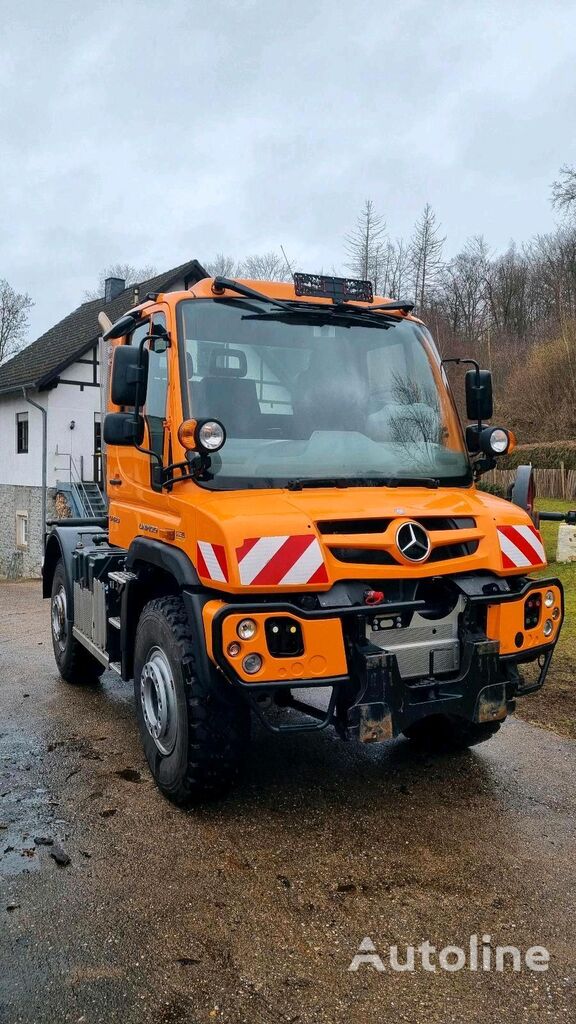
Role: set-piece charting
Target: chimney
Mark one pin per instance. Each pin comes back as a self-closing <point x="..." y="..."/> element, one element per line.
<point x="113" y="287"/>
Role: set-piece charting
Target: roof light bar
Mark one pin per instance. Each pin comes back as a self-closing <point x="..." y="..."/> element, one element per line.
<point x="339" y="289"/>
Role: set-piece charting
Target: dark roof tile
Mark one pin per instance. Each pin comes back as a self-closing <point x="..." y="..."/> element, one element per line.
<point x="45" y="358"/>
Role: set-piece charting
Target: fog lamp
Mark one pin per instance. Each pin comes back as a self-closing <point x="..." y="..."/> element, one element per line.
<point x="252" y="663"/>
<point x="246" y="629"/>
<point x="548" y="627"/>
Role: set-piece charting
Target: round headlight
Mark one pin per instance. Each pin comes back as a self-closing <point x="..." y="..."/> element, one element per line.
<point x="252" y="663"/>
<point x="246" y="629"/>
<point x="549" y="598"/>
<point x="210" y="435"/>
<point x="499" y="441"/>
<point x="548" y="627"/>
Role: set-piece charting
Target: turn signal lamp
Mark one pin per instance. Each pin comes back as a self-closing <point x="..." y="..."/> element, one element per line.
<point x="187" y="434"/>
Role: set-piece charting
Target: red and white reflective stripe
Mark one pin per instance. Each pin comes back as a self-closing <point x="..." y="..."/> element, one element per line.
<point x="211" y="562"/>
<point x="521" y="546"/>
<point x="271" y="561"/>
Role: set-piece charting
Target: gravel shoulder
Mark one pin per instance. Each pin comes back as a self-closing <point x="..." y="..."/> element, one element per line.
<point x="253" y="908"/>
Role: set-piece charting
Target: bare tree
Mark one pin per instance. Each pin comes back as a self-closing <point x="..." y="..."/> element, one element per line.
<point x="463" y="295"/>
<point x="125" y="271"/>
<point x="222" y="266"/>
<point x="397" y="269"/>
<point x="564" y="190"/>
<point x="366" y="247"/>
<point x="14" y="321"/>
<point x="552" y="259"/>
<point x="266" y="266"/>
<point x="425" y="251"/>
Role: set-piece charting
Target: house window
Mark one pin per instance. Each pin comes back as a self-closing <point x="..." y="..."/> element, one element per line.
<point x="22" y="432"/>
<point x="22" y="531"/>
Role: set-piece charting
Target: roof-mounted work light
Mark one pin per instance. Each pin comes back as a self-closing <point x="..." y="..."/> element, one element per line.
<point x="339" y="289"/>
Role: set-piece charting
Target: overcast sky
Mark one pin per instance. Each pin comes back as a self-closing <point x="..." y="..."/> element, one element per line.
<point x="161" y="130"/>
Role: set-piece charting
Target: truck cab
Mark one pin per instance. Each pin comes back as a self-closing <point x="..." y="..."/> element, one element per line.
<point x="293" y="513"/>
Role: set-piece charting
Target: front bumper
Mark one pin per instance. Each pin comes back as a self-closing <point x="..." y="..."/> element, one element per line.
<point x="370" y="699"/>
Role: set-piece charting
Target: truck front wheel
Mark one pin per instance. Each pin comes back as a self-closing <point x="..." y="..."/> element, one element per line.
<point x="194" y="729"/>
<point x="438" y="732"/>
<point x="75" y="664"/>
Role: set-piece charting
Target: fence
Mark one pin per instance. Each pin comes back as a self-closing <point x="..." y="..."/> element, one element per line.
<point x="550" y="483"/>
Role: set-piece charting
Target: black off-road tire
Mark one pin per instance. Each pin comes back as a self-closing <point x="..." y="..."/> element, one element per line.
<point x="212" y="720"/>
<point x="74" y="662"/>
<point x="440" y="733"/>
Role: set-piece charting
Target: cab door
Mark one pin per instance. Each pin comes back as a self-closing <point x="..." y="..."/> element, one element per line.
<point x="134" y="489"/>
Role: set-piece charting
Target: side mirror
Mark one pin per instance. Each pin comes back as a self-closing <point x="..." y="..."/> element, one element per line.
<point x="479" y="400"/>
<point x="122" y="327"/>
<point x="120" y="428"/>
<point x="129" y="376"/>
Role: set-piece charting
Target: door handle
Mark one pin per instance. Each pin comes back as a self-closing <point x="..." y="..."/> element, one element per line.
<point x="115" y="481"/>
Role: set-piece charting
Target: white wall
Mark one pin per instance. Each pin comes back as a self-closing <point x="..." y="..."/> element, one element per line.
<point x="64" y="404"/>
<point x="68" y="403"/>
<point x="25" y="469"/>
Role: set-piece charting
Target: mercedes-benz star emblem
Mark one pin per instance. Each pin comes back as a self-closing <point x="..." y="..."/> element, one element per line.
<point x="413" y="542"/>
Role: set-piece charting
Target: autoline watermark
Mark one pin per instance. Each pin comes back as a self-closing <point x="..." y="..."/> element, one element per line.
<point x="479" y="955"/>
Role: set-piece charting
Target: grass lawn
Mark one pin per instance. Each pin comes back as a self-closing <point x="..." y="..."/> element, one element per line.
<point x="555" y="705"/>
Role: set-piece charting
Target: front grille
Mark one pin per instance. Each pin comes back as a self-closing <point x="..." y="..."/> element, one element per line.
<point x="447" y="551"/>
<point x="363" y="556"/>
<point x="336" y="526"/>
<point x="352" y="554"/>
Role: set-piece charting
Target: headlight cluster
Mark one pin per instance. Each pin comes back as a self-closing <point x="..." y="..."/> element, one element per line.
<point x="246" y="630"/>
<point x="533" y="606"/>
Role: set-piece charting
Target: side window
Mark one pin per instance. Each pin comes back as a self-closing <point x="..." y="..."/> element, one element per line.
<point x="157" y="386"/>
<point x="22" y="433"/>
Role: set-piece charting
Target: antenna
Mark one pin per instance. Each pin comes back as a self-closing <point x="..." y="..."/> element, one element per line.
<point x="287" y="262"/>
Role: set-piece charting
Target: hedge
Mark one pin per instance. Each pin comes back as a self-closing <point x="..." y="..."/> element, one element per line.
<point x="543" y="455"/>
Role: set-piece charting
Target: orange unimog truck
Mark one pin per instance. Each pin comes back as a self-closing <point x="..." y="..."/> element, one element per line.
<point x="295" y="532"/>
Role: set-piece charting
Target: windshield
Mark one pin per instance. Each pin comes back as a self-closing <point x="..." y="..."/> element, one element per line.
<point x="317" y="395"/>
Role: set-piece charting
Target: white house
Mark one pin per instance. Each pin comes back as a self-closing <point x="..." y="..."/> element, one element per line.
<point x="50" y="411"/>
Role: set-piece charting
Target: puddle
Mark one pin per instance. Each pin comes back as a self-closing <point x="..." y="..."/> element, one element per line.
<point x="26" y="812"/>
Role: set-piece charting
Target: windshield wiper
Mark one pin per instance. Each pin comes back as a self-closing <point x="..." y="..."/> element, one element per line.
<point x="393" y="306"/>
<point x="408" y="481"/>
<point x="220" y="284"/>
<point x="362" y="481"/>
<point x="299" y="484"/>
<point x="306" y="310"/>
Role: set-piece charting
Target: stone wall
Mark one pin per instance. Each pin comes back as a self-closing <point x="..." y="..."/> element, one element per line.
<point x="16" y="561"/>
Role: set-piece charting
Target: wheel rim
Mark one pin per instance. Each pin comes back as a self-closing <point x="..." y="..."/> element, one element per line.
<point x="59" y="618"/>
<point x="158" y="698"/>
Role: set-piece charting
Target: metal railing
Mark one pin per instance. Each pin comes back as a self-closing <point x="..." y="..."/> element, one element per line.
<point x="88" y="503"/>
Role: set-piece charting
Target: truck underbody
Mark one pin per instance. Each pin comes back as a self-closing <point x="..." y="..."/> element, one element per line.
<point x="422" y="653"/>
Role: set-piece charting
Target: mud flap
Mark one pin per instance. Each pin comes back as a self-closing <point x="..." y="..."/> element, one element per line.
<point x="492" y="705"/>
<point x="369" y="720"/>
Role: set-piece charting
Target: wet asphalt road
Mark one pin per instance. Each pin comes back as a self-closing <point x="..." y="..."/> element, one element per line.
<point x="252" y="909"/>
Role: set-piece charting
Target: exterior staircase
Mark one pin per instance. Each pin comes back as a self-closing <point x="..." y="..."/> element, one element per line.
<point x="89" y="498"/>
<point x="84" y="497"/>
